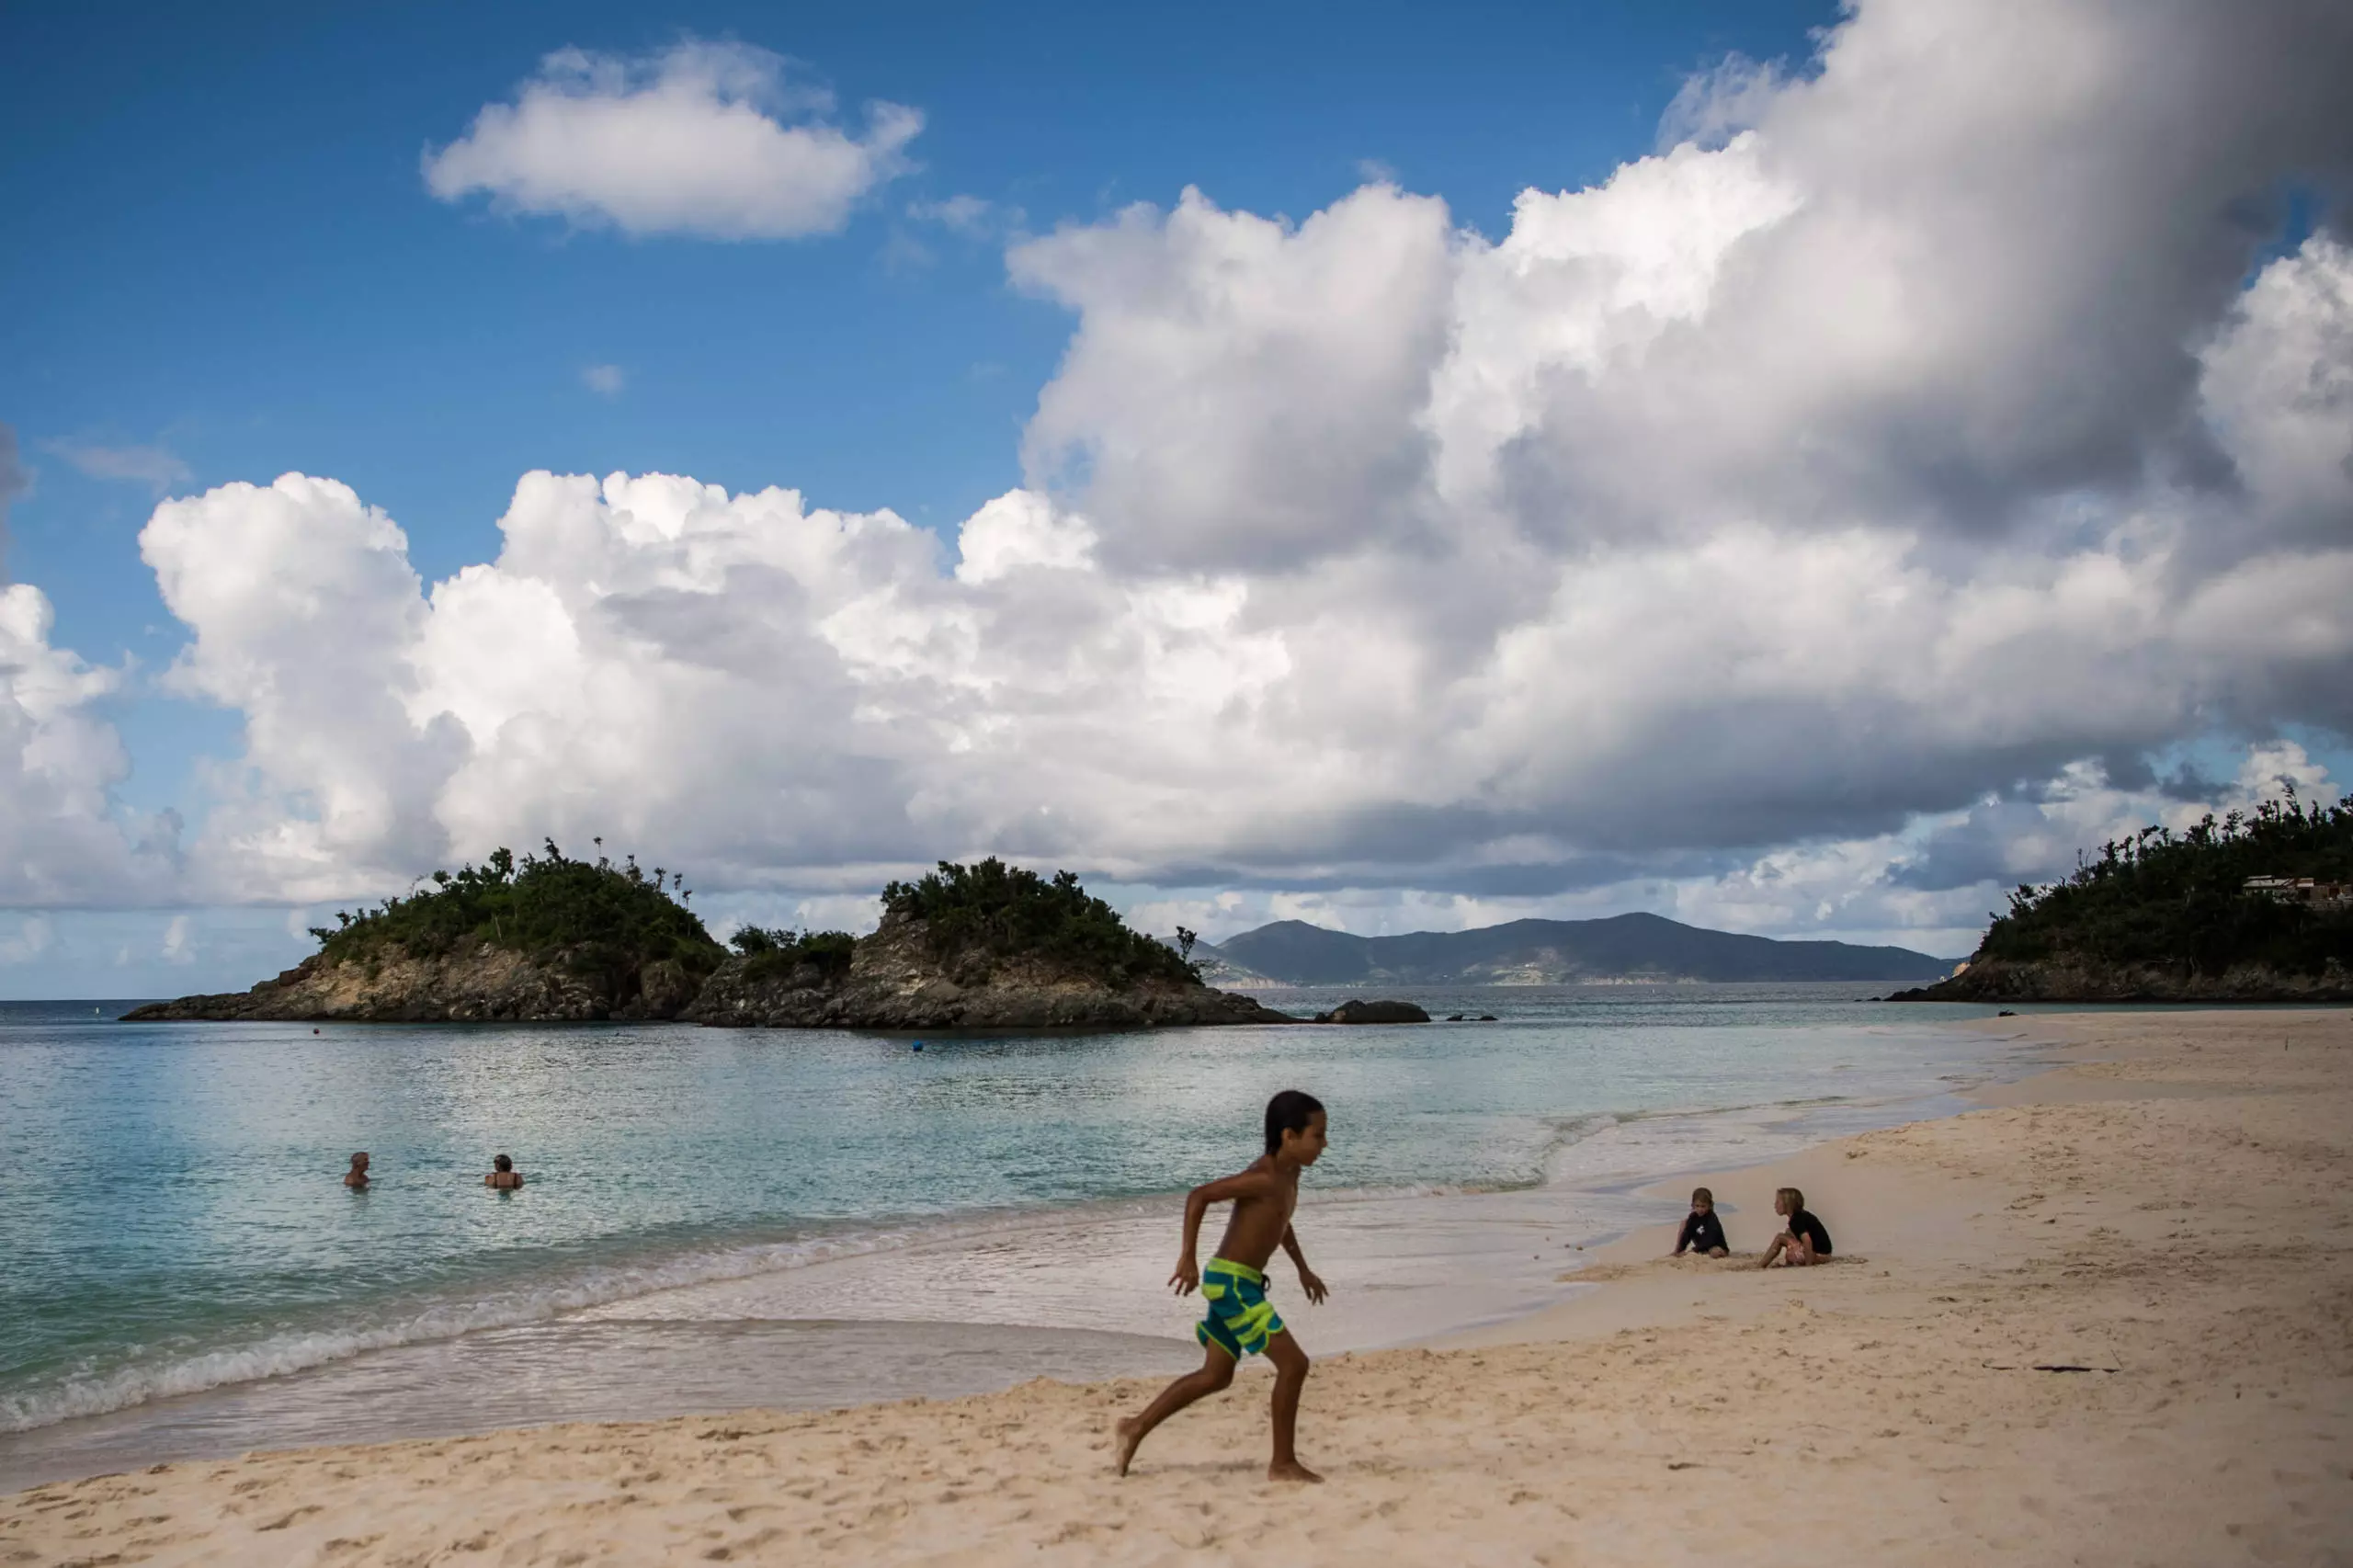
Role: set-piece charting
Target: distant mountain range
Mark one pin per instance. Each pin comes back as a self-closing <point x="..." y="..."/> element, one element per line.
<point x="1545" y="952"/>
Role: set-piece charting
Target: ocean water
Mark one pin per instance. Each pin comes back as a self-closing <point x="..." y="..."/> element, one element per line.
<point x="719" y="1218"/>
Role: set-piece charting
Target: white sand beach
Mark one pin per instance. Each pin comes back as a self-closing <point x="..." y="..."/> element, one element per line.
<point x="2105" y="1319"/>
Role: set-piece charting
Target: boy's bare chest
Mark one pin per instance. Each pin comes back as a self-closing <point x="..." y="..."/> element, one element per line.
<point x="1279" y="1205"/>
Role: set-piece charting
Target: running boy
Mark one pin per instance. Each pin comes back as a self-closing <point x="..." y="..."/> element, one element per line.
<point x="1702" y="1232"/>
<point x="1241" y="1320"/>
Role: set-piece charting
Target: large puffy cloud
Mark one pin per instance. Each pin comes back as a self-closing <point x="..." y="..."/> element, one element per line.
<point x="63" y="843"/>
<point x="1811" y="527"/>
<point x="703" y="138"/>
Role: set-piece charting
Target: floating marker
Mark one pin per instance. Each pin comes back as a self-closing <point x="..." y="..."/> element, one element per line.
<point x="918" y="1045"/>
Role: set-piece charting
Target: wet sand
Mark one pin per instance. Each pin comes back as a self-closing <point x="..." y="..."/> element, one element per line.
<point x="2171" y="1215"/>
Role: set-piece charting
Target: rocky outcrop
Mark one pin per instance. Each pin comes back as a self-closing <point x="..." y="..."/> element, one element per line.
<point x="2067" y="980"/>
<point x="1357" y="1011"/>
<point x="478" y="984"/>
<point x="894" y="980"/>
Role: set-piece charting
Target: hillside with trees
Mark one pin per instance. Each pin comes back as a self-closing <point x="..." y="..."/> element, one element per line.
<point x="984" y="945"/>
<point x="2255" y="905"/>
<point x="540" y="936"/>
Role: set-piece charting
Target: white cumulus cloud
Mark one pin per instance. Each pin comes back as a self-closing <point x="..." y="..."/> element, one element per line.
<point x="1845" y="511"/>
<point x="708" y="139"/>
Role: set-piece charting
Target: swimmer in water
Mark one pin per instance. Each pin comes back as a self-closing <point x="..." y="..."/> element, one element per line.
<point x="503" y="1173"/>
<point x="356" y="1177"/>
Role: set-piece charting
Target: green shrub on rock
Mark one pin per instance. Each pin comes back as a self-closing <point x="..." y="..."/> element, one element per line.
<point x="606" y="920"/>
<point x="771" y="952"/>
<point x="1010" y="912"/>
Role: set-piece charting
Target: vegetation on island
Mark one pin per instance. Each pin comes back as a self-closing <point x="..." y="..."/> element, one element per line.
<point x="771" y="951"/>
<point x="2182" y="900"/>
<point x="605" y="921"/>
<point x="1010" y="912"/>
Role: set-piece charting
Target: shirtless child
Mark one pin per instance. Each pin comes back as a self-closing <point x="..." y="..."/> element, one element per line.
<point x="1241" y="1320"/>
<point x="503" y="1173"/>
<point x="356" y="1177"/>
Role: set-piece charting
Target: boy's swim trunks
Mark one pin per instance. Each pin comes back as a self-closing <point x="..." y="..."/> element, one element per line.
<point x="1241" y="1320"/>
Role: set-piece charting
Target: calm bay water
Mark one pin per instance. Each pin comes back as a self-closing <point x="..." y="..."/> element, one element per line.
<point x="171" y="1218"/>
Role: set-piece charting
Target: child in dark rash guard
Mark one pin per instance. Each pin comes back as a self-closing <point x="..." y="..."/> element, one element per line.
<point x="1702" y="1233"/>
<point x="1803" y="1240"/>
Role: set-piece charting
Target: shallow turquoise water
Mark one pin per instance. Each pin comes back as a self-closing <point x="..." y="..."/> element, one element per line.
<point x="172" y="1218"/>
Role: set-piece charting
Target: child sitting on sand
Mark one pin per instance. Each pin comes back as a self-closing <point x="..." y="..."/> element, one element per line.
<point x="1241" y="1320"/>
<point x="503" y="1173"/>
<point x="1802" y="1239"/>
<point x="1702" y="1233"/>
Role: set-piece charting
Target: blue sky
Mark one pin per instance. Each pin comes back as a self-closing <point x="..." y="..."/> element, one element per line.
<point x="230" y="266"/>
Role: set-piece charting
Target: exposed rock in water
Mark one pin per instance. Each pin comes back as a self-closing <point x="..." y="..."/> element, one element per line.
<point x="895" y="981"/>
<point x="1356" y="1011"/>
<point x="2004" y="980"/>
<point x="477" y="982"/>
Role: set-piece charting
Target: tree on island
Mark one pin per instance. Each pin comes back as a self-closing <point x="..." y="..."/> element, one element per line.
<point x="1011" y="911"/>
<point x="772" y="950"/>
<point x="605" y="921"/>
<point x="2182" y="900"/>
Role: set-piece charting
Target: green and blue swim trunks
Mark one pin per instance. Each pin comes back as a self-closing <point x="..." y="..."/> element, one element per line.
<point x="1241" y="1320"/>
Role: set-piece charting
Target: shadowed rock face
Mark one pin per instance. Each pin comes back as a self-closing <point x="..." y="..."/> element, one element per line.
<point x="2004" y="980"/>
<point x="480" y="983"/>
<point x="896" y="981"/>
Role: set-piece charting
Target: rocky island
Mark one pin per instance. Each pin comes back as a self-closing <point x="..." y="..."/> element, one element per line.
<point x="550" y="938"/>
<point x="2255" y="907"/>
<point x="988" y="945"/>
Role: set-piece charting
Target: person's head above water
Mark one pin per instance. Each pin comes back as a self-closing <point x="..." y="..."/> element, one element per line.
<point x="358" y="1162"/>
<point x="502" y="1161"/>
<point x="1295" y="1124"/>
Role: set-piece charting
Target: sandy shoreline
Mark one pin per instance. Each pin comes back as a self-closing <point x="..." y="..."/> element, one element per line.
<point x="2172" y="1213"/>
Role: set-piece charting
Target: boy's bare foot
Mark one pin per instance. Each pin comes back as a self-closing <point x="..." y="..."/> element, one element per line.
<point x="1125" y="1435"/>
<point x="1291" y="1470"/>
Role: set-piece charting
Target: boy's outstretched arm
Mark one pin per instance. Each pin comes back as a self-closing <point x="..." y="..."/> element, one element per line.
<point x="1309" y="1280"/>
<point x="1249" y="1183"/>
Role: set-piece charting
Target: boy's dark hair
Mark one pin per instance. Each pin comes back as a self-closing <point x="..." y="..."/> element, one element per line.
<point x="1289" y="1111"/>
<point x="1701" y="1195"/>
<point x="503" y="1162"/>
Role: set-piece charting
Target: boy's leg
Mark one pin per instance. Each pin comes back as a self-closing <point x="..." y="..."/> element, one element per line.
<point x="1217" y="1371"/>
<point x="1774" y="1251"/>
<point x="1291" y="1376"/>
